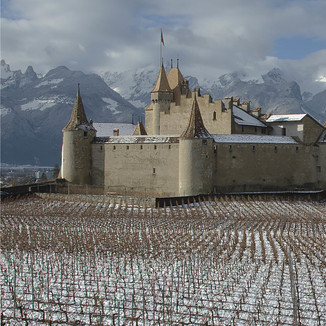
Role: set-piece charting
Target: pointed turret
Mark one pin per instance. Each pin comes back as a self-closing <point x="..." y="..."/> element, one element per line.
<point x="161" y="97"/>
<point x="195" y="127"/>
<point x="196" y="158"/>
<point x="78" y="135"/>
<point x="78" y="115"/>
<point x="139" y="130"/>
<point x="162" y="84"/>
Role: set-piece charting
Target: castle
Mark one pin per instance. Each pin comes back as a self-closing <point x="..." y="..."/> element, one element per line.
<point x="193" y="145"/>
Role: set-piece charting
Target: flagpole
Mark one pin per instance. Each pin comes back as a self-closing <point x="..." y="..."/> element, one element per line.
<point x="160" y="53"/>
<point x="161" y="42"/>
<point x="161" y="48"/>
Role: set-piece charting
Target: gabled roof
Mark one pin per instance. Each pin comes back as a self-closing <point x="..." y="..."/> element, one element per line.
<point x="245" y="119"/>
<point x="78" y="116"/>
<point x="195" y="128"/>
<point x="253" y="139"/>
<point x="105" y="129"/>
<point x="285" y="117"/>
<point x="139" y="130"/>
<point x="162" y="83"/>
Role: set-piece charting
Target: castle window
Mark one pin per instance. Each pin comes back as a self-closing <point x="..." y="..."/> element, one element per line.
<point x="141" y="146"/>
<point x="215" y="149"/>
<point x="275" y="149"/>
<point x="155" y="147"/>
<point x="169" y="146"/>
<point x="283" y="131"/>
<point x="230" y="148"/>
<point x="154" y="171"/>
<point x="214" y="115"/>
<point x="101" y="147"/>
<point x="114" y="148"/>
<point x="85" y="134"/>
<point x="297" y="149"/>
<point x="263" y="130"/>
<point x="254" y="148"/>
<point x="127" y="147"/>
<point x="204" y="141"/>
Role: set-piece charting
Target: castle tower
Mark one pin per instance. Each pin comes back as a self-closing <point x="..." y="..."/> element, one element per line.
<point x="196" y="156"/>
<point x="78" y="135"/>
<point x="161" y="97"/>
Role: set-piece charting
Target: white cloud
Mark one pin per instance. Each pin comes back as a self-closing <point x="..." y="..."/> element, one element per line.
<point x="210" y="37"/>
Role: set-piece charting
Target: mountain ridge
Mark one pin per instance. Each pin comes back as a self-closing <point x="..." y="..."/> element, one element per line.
<point x="35" y="108"/>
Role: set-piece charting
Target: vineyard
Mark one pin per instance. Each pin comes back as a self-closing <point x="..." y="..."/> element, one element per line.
<point x="224" y="261"/>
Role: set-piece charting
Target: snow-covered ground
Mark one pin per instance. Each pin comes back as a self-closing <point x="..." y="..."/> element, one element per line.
<point x="220" y="262"/>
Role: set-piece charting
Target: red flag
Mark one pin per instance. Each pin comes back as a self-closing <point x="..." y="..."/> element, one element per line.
<point x="162" y="41"/>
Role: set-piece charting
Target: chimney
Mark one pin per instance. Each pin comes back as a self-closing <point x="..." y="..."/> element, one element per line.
<point x="116" y="132"/>
<point x="245" y="106"/>
<point x="228" y="101"/>
<point x="256" y="112"/>
<point x="236" y="101"/>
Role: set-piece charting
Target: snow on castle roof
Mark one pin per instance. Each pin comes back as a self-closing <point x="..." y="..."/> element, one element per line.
<point x="105" y="129"/>
<point x="143" y="139"/>
<point x="253" y="139"/>
<point x="322" y="138"/>
<point x="285" y="117"/>
<point x="243" y="118"/>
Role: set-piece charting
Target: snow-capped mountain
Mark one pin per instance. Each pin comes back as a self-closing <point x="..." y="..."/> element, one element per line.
<point x="273" y="92"/>
<point x="135" y="86"/>
<point x="35" y="109"/>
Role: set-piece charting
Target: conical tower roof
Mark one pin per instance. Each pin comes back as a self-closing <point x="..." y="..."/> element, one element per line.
<point x="78" y="115"/>
<point x="162" y="84"/>
<point x="139" y="130"/>
<point x="195" y="128"/>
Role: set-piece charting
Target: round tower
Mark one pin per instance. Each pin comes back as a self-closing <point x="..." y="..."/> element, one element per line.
<point x="196" y="157"/>
<point x="161" y="97"/>
<point x="78" y="135"/>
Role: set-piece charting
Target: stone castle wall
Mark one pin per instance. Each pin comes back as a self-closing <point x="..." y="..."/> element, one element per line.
<point x="142" y="168"/>
<point x="264" y="167"/>
<point x="174" y="121"/>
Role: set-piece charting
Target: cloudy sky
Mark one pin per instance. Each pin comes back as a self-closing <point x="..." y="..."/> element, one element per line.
<point x="210" y="37"/>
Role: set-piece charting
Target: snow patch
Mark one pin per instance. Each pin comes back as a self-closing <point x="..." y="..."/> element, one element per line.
<point x="49" y="82"/>
<point x="38" y="104"/>
<point x="112" y="104"/>
<point x="3" y="111"/>
<point x="285" y="117"/>
<point x="253" y="139"/>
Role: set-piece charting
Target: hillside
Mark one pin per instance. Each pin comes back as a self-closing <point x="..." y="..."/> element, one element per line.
<point x="34" y="109"/>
